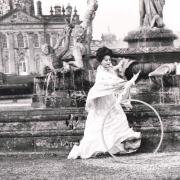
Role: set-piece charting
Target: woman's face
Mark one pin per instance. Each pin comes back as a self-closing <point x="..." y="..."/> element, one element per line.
<point x="106" y="62"/>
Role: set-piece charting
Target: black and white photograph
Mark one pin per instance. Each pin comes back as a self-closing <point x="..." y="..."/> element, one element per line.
<point x="89" y="89"/>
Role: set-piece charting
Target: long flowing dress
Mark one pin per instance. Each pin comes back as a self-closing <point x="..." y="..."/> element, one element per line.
<point x="102" y="105"/>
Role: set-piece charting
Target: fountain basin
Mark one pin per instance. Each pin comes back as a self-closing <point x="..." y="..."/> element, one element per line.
<point x="150" y="54"/>
<point x="63" y="90"/>
<point x="159" y="91"/>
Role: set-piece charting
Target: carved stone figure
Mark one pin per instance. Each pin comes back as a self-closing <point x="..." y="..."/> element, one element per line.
<point x="151" y="13"/>
<point x="52" y="59"/>
<point x="164" y="69"/>
<point x="82" y="35"/>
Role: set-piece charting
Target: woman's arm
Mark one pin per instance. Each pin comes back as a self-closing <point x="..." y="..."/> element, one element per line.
<point x="117" y="67"/>
<point x="132" y="81"/>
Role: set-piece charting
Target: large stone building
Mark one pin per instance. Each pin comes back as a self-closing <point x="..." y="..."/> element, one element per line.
<point x="22" y="33"/>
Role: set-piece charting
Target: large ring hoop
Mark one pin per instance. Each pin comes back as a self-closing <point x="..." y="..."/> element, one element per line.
<point x="158" y="116"/>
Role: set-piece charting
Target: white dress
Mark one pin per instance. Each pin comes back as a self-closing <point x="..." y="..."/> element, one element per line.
<point x="101" y="105"/>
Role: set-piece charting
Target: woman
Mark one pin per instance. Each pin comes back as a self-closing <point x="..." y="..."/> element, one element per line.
<point x="102" y="105"/>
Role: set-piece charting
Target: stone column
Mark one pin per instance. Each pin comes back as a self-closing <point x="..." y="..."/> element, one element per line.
<point x="1" y="54"/>
<point x="31" y="62"/>
<point x="12" y="60"/>
<point x="42" y="38"/>
<point x="1" y="60"/>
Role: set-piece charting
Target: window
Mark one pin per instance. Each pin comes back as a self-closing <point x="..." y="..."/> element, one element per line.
<point x="54" y="40"/>
<point x="4" y="41"/>
<point x="37" y="62"/>
<point x="48" y="39"/>
<point x="6" y="64"/>
<point x="22" y="66"/>
<point x="36" y="40"/>
<point x="20" y="40"/>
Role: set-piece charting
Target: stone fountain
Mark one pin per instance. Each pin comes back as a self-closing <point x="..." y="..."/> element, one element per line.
<point x="57" y="118"/>
<point x="66" y="83"/>
<point x="151" y="47"/>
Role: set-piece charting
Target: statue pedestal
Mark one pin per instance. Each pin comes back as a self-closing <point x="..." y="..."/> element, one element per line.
<point x="150" y="46"/>
<point x="146" y="37"/>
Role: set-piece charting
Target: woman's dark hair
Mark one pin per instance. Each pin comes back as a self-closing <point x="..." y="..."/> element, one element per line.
<point x="103" y="51"/>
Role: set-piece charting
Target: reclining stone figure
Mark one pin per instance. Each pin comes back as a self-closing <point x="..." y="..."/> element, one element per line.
<point x="52" y="59"/>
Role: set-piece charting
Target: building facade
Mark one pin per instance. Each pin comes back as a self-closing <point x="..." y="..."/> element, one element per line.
<point x="22" y="33"/>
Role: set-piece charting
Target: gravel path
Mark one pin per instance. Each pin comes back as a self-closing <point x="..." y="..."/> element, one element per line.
<point x="141" y="166"/>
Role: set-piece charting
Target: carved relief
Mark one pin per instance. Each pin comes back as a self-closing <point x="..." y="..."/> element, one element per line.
<point x="20" y="53"/>
<point x="20" y="17"/>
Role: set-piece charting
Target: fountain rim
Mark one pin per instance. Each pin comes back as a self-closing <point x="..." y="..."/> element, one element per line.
<point x="119" y="52"/>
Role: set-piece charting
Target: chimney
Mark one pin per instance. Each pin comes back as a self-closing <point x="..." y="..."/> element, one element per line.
<point x="68" y="10"/>
<point x="57" y="10"/>
<point x="63" y="10"/>
<point x="10" y="5"/>
<point x="17" y="6"/>
<point x="51" y="11"/>
<point x="29" y="7"/>
<point x="39" y="8"/>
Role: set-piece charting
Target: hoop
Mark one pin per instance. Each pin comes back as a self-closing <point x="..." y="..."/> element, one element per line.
<point x="160" y="121"/>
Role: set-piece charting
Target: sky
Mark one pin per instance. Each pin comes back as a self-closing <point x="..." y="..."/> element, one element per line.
<point x="118" y="16"/>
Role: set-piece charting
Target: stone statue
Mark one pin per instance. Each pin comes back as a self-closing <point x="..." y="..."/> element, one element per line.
<point x="82" y="35"/>
<point x="164" y="69"/>
<point x="52" y="56"/>
<point x="151" y="13"/>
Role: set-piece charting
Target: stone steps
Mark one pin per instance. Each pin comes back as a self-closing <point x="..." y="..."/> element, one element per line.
<point x="33" y="155"/>
<point x="15" y="97"/>
<point x="28" y="129"/>
<point x="41" y="133"/>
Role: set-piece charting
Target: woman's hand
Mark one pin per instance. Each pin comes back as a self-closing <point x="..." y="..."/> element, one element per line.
<point x="128" y="106"/>
<point x="132" y="81"/>
<point x="134" y="78"/>
<point x="118" y="66"/>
